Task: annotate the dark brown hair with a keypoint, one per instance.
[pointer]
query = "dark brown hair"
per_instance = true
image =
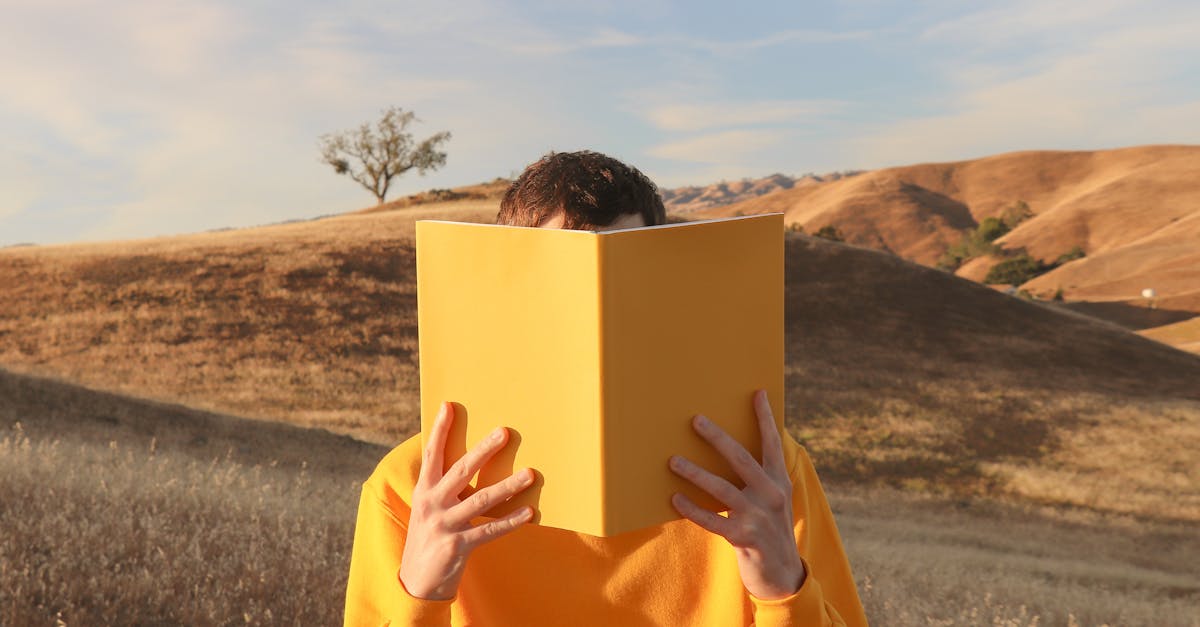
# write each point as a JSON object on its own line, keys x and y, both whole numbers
{"x": 591, "y": 190}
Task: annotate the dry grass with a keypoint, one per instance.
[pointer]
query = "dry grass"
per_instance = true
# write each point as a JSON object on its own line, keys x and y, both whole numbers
{"x": 1133, "y": 210}
{"x": 1185, "y": 335}
{"x": 102, "y": 534}
{"x": 897, "y": 375}
{"x": 928, "y": 561}
{"x": 89, "y": 540}
{"x": 311, "y": 323}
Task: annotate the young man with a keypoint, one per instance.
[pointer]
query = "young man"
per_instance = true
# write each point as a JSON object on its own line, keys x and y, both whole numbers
{"x": 774, "y": 559}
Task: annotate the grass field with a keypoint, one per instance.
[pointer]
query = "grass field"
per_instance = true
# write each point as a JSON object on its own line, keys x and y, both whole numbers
{"x": 112, "y": 533}
{"x": 992, "y": 461}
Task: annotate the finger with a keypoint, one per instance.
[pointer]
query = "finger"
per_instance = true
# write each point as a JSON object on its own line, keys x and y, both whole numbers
{"x": 487, "y": 498}
{"x": 772, "y": 444}
{"x": 712, "y": 522}
{"x": 433, "y": 457}
{"x": 459, "y": 475}
{"x": 717, "y": 487}
{"x": 482, "y": 534}
{"x": 739, "y": 458}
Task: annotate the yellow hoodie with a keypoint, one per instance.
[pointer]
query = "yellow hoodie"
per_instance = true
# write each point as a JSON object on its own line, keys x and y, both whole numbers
{"x": 674, "y": 574}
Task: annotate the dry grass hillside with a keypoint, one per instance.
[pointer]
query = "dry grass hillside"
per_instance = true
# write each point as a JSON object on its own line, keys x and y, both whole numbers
{"x": 121, "y": 511}
{"x": 990, "y": 460}
{"x": 897, "y": 374}
{"x": 1185, "y": 335}
{"x": 1134, "y": 212}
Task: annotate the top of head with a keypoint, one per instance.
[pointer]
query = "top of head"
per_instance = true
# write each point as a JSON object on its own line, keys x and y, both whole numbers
{"x": 582, "y": 190}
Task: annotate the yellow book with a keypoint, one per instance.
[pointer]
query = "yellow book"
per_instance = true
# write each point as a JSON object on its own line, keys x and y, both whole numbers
{"x": 596, "y": 349}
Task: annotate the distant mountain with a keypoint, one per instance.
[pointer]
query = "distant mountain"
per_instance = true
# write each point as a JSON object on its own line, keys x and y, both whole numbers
{"x": 690, "y": 199}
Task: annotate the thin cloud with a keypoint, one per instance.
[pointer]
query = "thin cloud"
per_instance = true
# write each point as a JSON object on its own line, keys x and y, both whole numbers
{"x": 723, "y": 147}
{"x": 1097, "y": 93}
{"x": 790, "y": 36}
{"x": 703, "y": 116}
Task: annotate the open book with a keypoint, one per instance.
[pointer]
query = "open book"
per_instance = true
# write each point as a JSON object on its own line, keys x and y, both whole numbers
{"x": 596, "y": 349}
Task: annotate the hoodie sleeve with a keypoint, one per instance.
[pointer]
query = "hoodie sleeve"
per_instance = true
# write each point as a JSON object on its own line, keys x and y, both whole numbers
{"x": 828, "y": 595}
{"x": 374, "y": 594}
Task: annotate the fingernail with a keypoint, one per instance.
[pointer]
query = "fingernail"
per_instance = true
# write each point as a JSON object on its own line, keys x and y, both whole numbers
{"x": 703, "y": 422}
{"x": 497, "y": 434}
{"x": 676, "y": 462}
{"x": 527, "y": 477}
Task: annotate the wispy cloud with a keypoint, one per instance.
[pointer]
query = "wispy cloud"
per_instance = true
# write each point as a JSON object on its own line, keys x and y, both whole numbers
{"x": 770, "y": 40}
{"x": 702, "y": 116}
{"x": 1100, "y": 91}
{"x": 723, "y": 147}
{"x": 1018, "y": 21}
{"x": 140, "y": 117}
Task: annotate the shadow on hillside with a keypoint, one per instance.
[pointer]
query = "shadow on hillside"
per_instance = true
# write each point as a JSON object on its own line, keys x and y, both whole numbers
{"x": 1128, "y": 315}
{"x": 907, "y": 376}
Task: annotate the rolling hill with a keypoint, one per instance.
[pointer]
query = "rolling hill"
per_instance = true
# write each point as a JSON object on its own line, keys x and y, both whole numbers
{"x": 989, "y": 458}
{"x": 1135, "y": 212}
{"x": 897, "y": 374}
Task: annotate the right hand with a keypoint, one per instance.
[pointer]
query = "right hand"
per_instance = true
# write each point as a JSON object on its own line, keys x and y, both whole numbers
{"x": 440, "y": 535}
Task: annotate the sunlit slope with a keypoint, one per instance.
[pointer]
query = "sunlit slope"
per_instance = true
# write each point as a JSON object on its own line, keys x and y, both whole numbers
{"x": 1134, "y": 211}
{"x": 1184, "y": 335}
{"x": 312, "y": 323}
{"x": 897, "y": 373}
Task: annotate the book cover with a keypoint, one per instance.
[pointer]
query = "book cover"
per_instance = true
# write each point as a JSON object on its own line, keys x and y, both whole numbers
{"x": 596, "y": 349}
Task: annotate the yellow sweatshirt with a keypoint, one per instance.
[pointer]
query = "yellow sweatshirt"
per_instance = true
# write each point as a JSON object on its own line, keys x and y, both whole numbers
{"x": 674, "y": 574}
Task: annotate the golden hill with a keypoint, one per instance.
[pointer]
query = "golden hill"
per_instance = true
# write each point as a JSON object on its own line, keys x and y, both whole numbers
{"x": 1185, "y": 335}
{"x": 1135, "y": 212}
{"x": 897, "y": 374}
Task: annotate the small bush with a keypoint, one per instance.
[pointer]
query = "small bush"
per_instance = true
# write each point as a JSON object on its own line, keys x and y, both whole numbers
{"x": 831, "y": 233}
{"x": 990, "y": 230}
{"x": 1069, "y": 256}
{"x": 1015, "y": 270}
{"x": 1015, "y": 214}
{"x": 980, "y": 242}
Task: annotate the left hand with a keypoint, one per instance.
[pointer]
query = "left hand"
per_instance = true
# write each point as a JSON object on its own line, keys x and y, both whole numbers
{"x": 759, "y": 525}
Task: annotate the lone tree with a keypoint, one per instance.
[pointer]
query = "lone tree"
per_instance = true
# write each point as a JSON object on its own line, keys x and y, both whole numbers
{"x": 374, "y": 155}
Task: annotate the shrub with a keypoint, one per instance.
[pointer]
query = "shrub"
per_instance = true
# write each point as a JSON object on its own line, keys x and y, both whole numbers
{"x": 990, "y": 230}
{"x": 1069, "y": 256}
{"x": 831, "y": 233}
{"x": 1016, "y": 270}
{"x": 1015, "y": 214}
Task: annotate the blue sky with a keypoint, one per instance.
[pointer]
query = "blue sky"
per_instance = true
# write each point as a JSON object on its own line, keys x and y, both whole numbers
{"x": 149, "y": 117}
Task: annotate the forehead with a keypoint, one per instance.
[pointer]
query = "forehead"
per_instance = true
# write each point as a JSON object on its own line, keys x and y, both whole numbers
{"x": 625, "y": 221}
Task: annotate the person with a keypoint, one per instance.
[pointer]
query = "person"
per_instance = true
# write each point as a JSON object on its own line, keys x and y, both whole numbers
{"x": 775, "y": 559}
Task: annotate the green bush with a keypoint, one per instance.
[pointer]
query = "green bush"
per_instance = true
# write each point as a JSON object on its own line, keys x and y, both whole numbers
{"x": 1015, "y": 214}
{"x": 990, "y": 230}
{"x": 1016, "y": 270}
{"x": 980, "y": 241}
{"x": 1069, "y": 256}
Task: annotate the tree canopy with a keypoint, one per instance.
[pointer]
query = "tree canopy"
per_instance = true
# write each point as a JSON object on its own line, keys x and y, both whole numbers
{"x": 374, "y": 154}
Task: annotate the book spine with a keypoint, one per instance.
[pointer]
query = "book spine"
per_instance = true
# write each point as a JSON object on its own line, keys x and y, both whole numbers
{"x": 602, "y": 371}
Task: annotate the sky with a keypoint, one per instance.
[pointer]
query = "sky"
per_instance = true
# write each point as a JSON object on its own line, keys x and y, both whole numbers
{"x": 142, "y": 118}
